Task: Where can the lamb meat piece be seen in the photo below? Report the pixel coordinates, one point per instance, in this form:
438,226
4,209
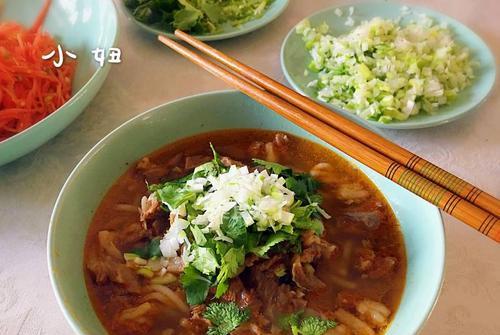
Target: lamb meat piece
227,162
373,264
250,328
315,248
281,141
194,161
150,208
151,171
276,298
128,237
270,151
303,276
238,294
245,298
312,241
196,324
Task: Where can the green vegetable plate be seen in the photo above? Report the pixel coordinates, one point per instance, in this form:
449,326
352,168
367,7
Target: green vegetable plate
79,26
295,59
107,161
191,14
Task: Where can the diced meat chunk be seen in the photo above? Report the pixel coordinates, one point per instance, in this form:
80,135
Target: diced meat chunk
152,172
315,248
281,141
372,265
278,298
150,208
270,151
194,161
303,276
196,324
227,161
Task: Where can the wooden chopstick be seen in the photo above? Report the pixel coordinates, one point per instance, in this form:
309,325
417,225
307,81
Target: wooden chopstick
378,143
483,221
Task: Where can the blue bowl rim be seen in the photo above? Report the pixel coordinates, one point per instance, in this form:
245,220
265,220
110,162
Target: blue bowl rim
51,254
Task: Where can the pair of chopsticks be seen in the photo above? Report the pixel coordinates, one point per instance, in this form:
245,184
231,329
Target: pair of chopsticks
453,195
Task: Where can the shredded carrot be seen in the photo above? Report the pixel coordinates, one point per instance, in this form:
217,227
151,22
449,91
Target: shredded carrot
30,88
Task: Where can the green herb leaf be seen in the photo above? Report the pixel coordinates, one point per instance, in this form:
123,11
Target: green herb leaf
216,160
205,170
273,240
225,317
185,19
149,250
307,218
310,325
232,261
315,326
174,194
273,167
195,285
233,226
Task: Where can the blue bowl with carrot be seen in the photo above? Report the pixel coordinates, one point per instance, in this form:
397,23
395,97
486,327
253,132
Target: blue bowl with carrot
48,71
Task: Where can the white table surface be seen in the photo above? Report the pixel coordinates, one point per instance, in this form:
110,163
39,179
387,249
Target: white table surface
150,75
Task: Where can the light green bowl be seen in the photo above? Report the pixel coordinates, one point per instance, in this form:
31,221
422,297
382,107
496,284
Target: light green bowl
294,59
80,26
110,158
228,31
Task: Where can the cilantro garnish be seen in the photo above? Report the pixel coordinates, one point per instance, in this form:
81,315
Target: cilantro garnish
225,317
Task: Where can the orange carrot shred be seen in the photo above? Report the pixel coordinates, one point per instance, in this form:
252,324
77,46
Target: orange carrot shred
41,16
30,88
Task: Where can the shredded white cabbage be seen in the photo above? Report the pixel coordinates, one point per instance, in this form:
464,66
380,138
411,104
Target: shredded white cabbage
383,71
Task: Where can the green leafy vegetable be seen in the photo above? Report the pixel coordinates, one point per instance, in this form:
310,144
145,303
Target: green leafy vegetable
225,317
232,261
195,285
200,16
233,226
204,260
149,250
273,167
272,241
307,218
315,326
174,194
311,325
